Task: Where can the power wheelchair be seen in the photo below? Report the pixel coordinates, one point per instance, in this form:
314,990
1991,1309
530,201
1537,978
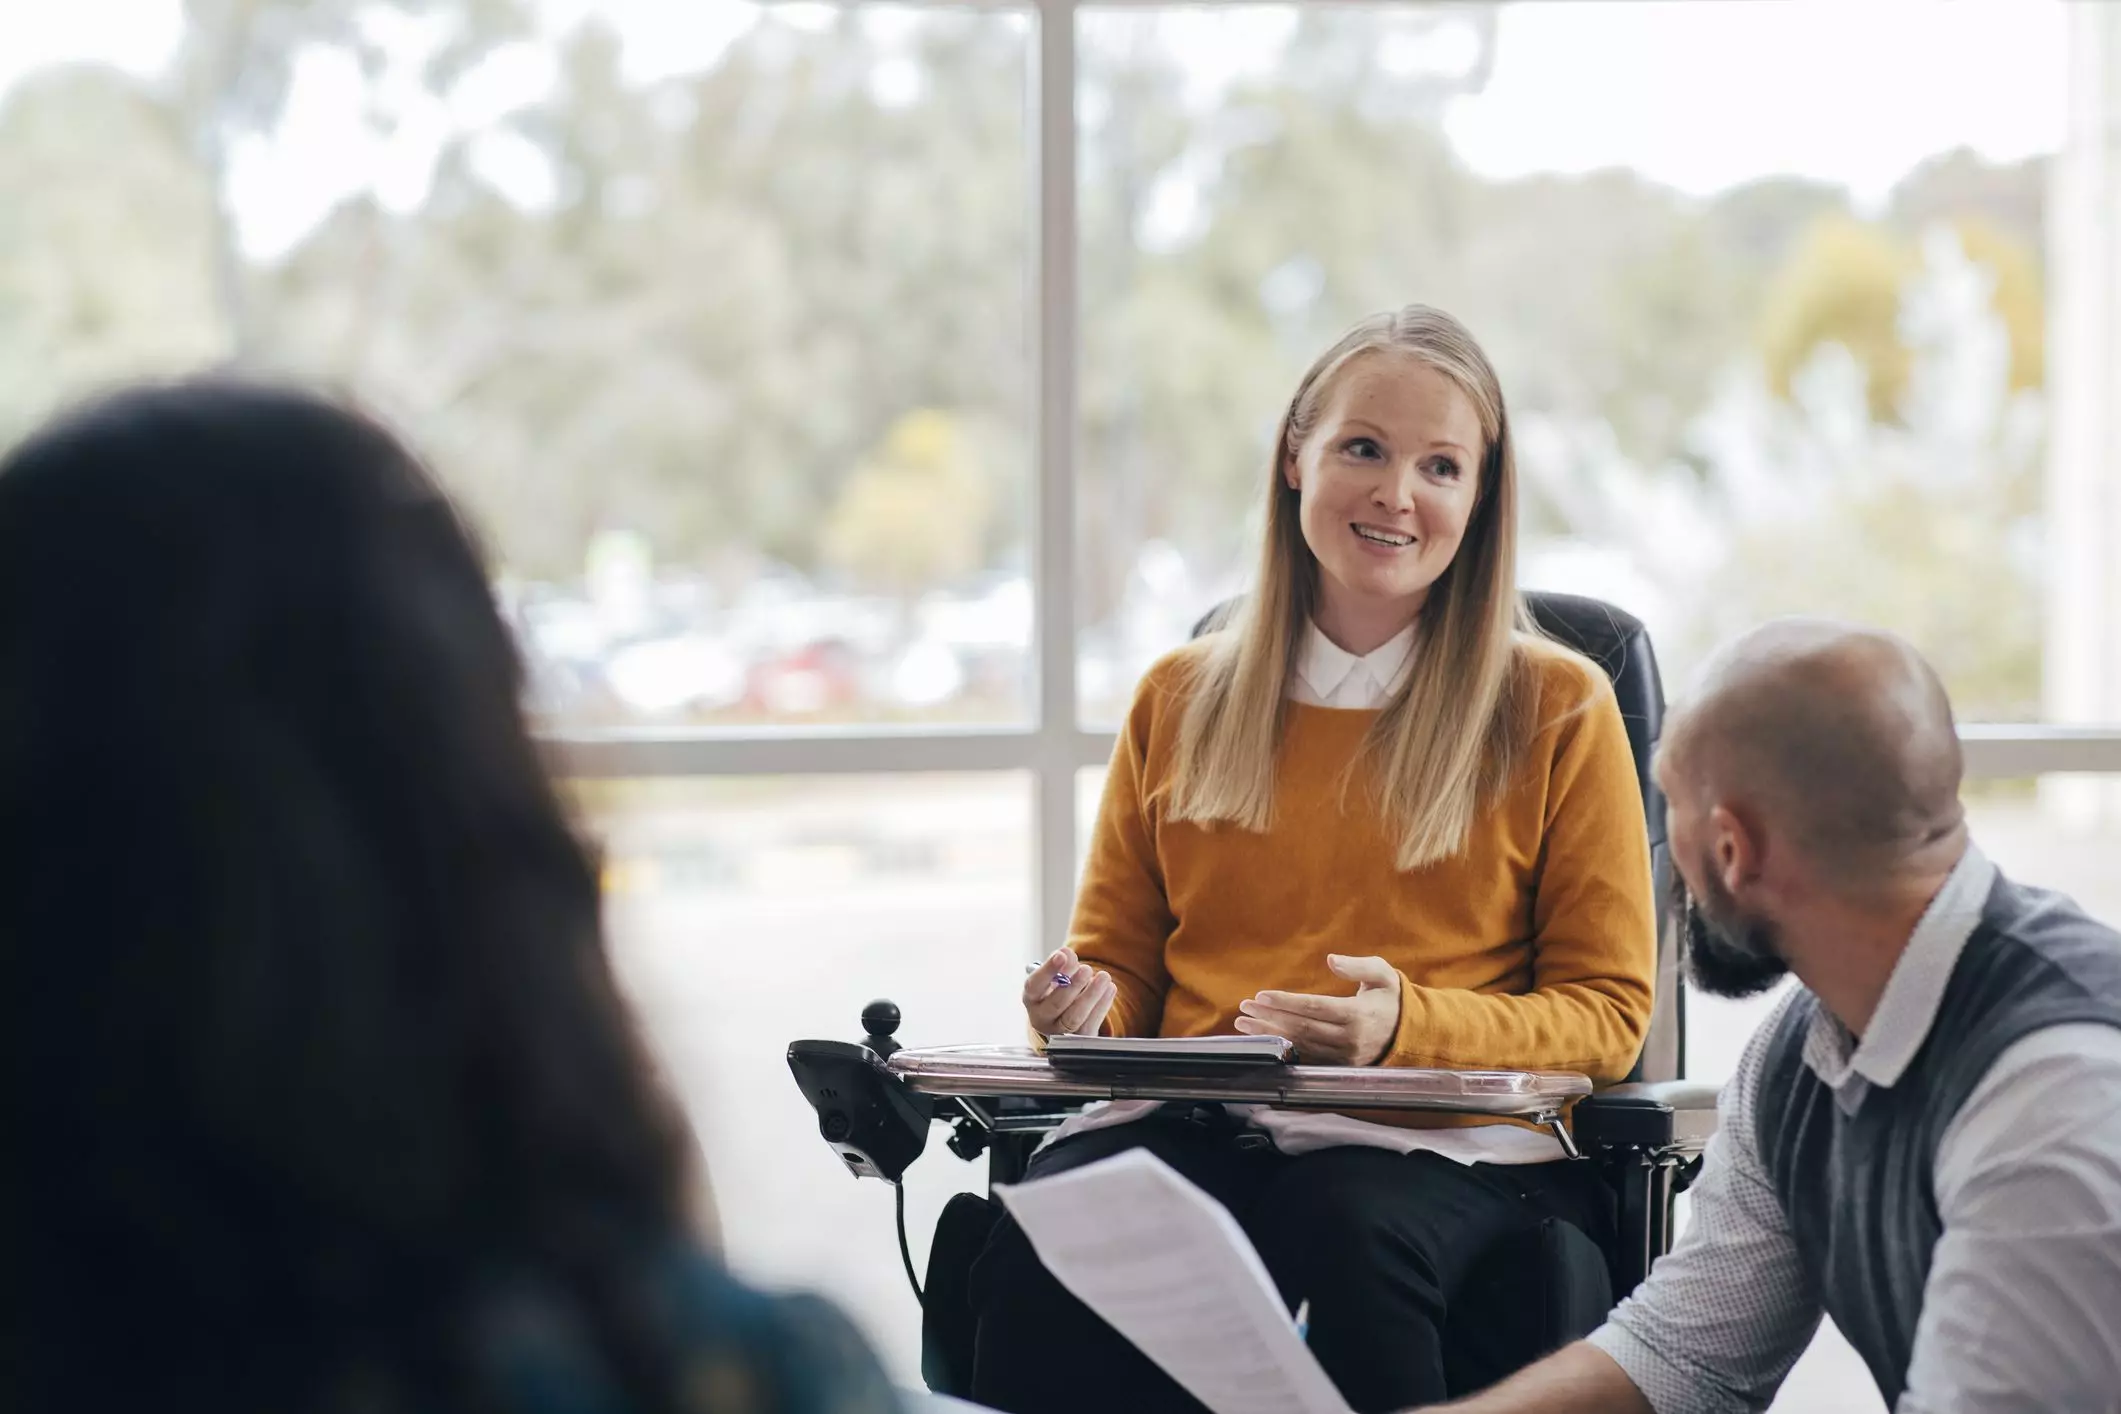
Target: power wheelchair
877,1101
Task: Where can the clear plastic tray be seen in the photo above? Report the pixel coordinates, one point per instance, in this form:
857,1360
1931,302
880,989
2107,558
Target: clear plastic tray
990,1071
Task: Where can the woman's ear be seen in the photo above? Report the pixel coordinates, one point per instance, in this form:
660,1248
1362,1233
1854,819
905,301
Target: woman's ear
1290,477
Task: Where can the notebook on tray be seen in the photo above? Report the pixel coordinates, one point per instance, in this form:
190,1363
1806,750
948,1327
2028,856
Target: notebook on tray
1170,1054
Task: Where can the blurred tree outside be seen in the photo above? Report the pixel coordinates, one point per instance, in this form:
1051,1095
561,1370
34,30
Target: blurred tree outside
737,289
1928,524
236,69
1842,286
915,514
105,251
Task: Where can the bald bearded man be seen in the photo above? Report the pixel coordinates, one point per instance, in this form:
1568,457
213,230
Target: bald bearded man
1925,1138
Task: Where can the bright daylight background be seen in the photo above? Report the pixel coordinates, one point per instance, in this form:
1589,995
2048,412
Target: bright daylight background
718,317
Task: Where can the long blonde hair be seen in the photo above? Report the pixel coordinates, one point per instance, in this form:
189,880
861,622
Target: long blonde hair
1450,738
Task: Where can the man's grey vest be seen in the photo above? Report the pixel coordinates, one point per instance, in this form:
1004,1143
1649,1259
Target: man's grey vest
1856,1189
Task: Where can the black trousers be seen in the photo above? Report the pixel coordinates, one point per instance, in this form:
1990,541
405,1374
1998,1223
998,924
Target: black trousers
1377,1242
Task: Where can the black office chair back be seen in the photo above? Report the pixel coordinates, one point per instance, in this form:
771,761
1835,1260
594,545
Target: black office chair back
1617,642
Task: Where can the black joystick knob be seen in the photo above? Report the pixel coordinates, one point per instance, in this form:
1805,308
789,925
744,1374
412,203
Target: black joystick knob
880,1021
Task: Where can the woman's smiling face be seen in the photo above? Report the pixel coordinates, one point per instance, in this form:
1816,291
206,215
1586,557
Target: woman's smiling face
1388,477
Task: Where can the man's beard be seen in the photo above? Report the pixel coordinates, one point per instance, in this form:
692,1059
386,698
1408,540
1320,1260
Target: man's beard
1728,954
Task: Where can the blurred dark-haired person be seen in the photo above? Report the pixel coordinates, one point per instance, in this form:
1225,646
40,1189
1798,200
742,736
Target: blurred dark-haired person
329,1100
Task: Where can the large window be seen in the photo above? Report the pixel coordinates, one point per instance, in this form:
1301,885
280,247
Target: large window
855,398
1764,289
747,912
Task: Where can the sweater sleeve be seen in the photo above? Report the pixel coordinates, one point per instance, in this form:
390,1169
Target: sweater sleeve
1122,916
1594,938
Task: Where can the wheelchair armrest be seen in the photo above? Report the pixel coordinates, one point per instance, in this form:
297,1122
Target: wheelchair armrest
1660,1115
1679,1094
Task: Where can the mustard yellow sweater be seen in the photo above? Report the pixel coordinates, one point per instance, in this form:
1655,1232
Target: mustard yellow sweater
1534,948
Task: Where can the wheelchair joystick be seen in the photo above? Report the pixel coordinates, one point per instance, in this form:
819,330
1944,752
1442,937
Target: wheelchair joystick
872,1121
880,1021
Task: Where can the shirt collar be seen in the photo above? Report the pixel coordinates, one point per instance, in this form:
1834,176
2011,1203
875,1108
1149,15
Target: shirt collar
1325,665
1908,1005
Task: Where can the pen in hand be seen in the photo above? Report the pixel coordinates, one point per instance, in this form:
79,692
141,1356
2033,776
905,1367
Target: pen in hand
1066,996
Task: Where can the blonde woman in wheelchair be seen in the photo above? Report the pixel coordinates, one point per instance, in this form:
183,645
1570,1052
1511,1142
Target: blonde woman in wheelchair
1379,816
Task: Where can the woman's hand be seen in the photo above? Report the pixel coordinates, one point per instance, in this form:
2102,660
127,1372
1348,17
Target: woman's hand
1355,1030
1075,1007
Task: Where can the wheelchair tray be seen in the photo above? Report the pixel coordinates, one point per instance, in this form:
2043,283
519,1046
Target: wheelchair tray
993,1071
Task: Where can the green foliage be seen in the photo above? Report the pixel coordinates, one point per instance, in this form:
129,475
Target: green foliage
2011,197
1932,562
915,514
85,301
1844,282
1930,530
2020,299
1841,286
235,70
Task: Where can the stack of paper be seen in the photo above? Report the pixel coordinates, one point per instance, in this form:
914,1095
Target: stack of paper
1169,1268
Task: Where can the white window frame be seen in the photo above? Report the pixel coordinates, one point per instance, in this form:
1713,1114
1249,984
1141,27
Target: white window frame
1053,747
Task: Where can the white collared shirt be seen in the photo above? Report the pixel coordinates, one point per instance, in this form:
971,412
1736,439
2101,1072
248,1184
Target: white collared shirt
1327,675
2018,1310
1901,1021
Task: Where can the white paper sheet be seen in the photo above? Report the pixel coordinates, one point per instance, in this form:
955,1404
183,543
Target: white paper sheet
1169,1268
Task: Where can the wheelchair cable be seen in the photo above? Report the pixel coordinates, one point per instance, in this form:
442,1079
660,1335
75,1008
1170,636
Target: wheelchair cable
905,1252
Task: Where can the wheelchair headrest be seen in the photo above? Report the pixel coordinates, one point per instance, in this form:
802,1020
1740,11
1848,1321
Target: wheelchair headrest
1616,641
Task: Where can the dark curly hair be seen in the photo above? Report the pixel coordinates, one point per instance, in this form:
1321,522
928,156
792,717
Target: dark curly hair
316,1031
